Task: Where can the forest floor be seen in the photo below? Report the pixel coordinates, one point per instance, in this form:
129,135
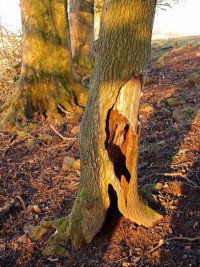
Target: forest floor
35,186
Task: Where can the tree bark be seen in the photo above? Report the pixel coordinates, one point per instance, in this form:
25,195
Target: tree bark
81,19
47,76
110,126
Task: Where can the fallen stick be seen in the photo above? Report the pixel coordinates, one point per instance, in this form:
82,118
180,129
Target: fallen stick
174,174
68,146
191,183
61,136
162,241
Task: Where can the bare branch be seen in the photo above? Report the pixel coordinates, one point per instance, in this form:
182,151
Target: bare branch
164,4
10,51
162,241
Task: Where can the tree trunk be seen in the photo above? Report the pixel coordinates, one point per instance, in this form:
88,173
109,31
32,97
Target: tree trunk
47,77
81,20
110,126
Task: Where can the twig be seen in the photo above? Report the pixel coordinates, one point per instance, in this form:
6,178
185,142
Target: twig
22,202
174,174
181,175
61,136
162,241
52,260
40,141
63,145
192,183
64,110
185,163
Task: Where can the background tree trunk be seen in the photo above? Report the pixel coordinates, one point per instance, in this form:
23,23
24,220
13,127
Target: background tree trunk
110,125
97,17
81,19
47,76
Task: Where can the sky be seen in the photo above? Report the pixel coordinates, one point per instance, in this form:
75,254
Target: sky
183,18
10,14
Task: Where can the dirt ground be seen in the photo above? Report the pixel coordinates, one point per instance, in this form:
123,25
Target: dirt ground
35,187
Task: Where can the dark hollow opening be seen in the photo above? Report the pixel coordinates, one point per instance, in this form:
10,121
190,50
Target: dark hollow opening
115,153
113,214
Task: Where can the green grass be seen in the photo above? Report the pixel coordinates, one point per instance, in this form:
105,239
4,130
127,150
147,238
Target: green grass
161,48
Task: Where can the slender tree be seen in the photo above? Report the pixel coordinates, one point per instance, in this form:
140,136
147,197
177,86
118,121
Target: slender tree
110,127
81,19
47,78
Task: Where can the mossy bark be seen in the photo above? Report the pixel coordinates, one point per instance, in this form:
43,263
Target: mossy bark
47,76
81,20
110,126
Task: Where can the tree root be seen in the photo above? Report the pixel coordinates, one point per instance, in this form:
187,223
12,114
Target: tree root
148,192
12,117
56,242
75,228
162,241
64,111
21,107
